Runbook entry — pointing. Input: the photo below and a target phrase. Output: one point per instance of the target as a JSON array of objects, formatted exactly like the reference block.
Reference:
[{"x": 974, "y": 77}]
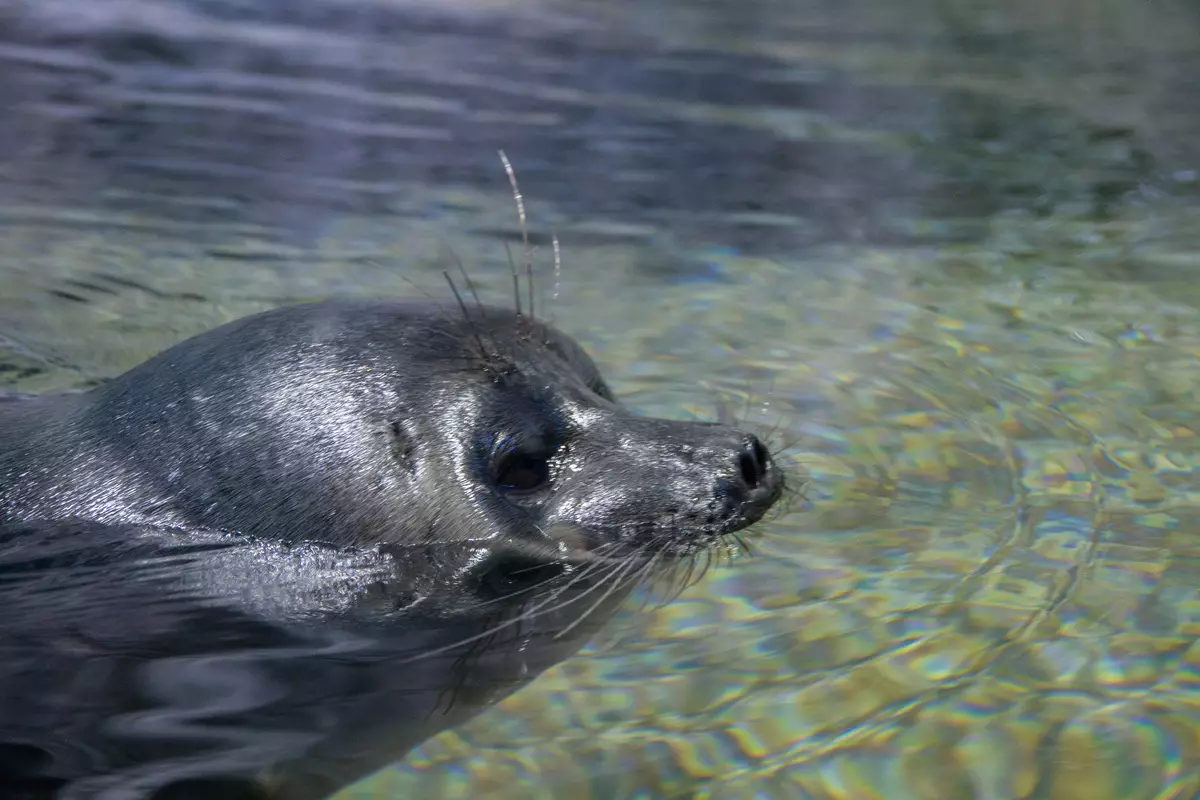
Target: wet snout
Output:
[
  {"x": 746, "y": 480},
  {"x": 715, "y": 477},
  {"x": 757, "y": 483}
]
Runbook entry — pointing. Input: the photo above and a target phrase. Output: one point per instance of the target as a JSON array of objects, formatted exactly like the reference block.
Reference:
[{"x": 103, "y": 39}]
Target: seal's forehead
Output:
[{"x": 487, "y": 338}]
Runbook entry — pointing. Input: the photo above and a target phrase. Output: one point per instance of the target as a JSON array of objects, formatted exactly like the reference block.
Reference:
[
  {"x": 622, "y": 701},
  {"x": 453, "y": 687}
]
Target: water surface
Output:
[{"x": 943, "y": 253}]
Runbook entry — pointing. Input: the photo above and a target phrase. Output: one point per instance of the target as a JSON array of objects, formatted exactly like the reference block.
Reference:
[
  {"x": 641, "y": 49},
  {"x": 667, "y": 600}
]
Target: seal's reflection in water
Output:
[{"x": 281, "y": 553}]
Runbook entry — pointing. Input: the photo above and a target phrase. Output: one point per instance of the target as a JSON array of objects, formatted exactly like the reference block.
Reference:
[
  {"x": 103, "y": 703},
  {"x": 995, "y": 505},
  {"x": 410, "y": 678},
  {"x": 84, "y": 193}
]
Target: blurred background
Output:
[{"x": 944, "y": 253}]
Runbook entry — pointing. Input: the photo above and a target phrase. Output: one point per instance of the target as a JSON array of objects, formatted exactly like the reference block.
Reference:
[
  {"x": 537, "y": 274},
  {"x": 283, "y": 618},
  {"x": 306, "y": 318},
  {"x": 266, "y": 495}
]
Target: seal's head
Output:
[
  {"x": 475, "y": 443},
  {"x": 352, "y": 516}
]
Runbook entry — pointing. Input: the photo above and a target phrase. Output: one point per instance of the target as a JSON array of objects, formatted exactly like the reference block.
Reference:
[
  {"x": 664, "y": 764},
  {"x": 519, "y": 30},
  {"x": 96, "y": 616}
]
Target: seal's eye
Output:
[{"x": 523, "y": 472}]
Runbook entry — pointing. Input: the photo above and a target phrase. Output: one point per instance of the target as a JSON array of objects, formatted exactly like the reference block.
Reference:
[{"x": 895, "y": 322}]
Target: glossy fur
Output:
[{"x": 283, "y": 552}]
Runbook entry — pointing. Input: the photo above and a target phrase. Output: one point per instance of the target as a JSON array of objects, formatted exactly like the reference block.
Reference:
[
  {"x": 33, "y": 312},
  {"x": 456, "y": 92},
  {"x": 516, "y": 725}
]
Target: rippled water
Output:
[{"x": 944, "y": 253}]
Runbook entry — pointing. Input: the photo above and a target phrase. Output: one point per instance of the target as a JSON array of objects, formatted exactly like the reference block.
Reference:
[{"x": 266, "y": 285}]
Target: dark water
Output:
[
  {"x": 868, "y": 211},
  {"x": 692, "y": 118}
]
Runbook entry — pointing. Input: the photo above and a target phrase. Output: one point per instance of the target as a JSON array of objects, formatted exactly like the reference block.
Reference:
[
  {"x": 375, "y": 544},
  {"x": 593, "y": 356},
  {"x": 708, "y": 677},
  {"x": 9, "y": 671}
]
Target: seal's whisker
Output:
[
  {"x": 692, "y": 576},
  {"x": 649, "y": 600},
  {"x": 467, "y": 316},
  {"x": 675, "y": 585},
  {"x": 749, "y": 399},
  {"x": 462, "y": 306},
  {"x": 548, "y": 553},
  {"x": 533, "y": 587},
  {"x": 663, "y": 575},
  {"x": 526, "y": 615},
  {"x": 792, "y": 494},
  {"x": 492, "y": 631},
  {"x": 616, "y": 584},
  {"x": 462, "y": 270},
  {"x": 712, "y": 555},
  {"x": 458, "y": 360},
  {"x": 524, "y": 590},
  {"x": 770, "y": 434},
  {"x": 516, "y": 278},
  {"x": 725, "y": 414},
  {"x": 664, "y": 570},
  {"x": 454, "y": 348},
  {"x": 688, "y": 574},
  {"x": 589, "y": 571},
  {"x": 616, "y": 565},
  {"x": 773, "y": 431},
  {"x": 651, "y": 567},
  {"x": 708, "y": 562},
  {"x": 520, "y": 201},
  {"x": 785, "y": 445},
  {"x": 694, "y": 571},
  {"x": 421, "y": 289},
  {"x": 595, "y": 561},
  {"x": 557, "y": 273},
  {"x": 461, "y": 664},
  {"x": 742, "y": 543}
]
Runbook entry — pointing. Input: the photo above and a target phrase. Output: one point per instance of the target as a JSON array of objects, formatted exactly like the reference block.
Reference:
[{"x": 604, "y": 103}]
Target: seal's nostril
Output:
[
  {"x": 752, "y": 462},
  {"x": 761, "y": 455},
  {"x": 749, "y": 472}
]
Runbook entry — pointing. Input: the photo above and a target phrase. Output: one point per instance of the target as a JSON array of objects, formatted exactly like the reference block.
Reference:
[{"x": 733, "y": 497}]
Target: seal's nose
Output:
[
  {"x": 755, "y": 483},
  {"x": 753, "y": 462}
]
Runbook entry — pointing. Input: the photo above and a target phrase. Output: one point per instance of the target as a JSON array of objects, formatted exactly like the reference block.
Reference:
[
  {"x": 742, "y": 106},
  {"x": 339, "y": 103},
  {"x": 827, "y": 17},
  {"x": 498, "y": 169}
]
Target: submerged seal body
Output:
[{"x": 279, "y": 554}]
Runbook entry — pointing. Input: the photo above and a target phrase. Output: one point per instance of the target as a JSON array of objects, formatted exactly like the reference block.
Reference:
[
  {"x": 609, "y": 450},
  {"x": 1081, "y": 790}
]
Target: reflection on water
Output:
[{"x": 945, "y": 252}]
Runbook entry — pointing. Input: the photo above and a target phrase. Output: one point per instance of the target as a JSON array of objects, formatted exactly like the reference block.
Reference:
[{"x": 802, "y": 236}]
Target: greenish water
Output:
[{"x": 944, "y": 255}]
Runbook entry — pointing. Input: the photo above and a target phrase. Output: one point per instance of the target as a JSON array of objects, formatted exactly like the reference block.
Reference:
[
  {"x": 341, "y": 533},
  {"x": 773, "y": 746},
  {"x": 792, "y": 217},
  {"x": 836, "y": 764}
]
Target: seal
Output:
[{"x": 279, "y": 554}]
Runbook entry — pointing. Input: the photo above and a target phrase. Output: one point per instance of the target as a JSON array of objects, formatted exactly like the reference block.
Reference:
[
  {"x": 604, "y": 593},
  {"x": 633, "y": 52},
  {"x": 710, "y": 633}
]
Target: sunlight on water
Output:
[
  {"x": 990, "y": 591},
  {"x": 946, "y": 262}
]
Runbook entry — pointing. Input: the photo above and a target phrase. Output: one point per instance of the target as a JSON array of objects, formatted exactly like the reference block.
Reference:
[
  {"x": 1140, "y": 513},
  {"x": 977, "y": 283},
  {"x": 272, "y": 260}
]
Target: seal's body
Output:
[{"x": 281, "y": 553}]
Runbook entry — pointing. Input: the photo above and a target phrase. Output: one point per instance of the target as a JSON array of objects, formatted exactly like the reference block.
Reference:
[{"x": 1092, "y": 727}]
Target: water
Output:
[{"x": 943, "y": 253}]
